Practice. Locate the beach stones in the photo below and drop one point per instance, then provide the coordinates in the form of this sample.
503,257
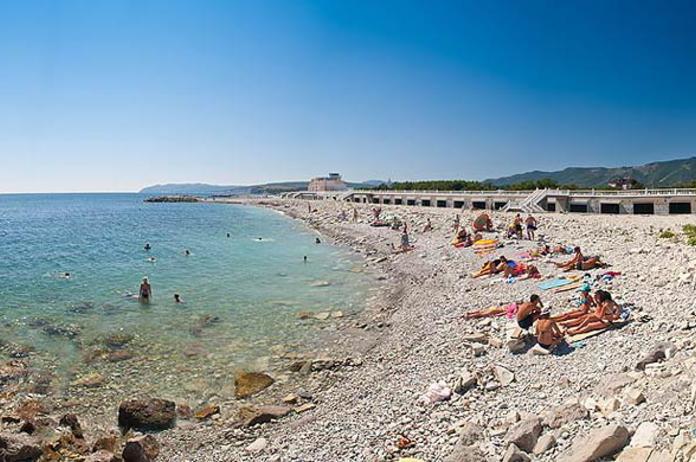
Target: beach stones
249,383
253,415
524,434
91,380
602,442
147,414
207,411
19,447
141,449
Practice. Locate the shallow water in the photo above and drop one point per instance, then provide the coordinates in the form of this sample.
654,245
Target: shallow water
247,289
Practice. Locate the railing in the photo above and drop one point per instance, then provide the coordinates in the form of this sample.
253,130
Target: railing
550,192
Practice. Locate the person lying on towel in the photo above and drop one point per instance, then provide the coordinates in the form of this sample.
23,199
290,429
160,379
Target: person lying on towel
606,313
493,267
509,310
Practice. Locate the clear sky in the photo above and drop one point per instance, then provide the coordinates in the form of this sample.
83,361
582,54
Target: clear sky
115,95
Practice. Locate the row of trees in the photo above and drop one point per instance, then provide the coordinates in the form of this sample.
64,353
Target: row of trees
465,185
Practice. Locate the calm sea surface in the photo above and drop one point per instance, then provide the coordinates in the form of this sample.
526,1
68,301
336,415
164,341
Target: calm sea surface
241,294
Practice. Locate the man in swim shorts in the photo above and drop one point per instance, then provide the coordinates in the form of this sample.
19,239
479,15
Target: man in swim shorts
528,312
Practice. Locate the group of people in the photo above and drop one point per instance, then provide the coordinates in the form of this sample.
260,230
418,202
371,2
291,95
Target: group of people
595,312
515,228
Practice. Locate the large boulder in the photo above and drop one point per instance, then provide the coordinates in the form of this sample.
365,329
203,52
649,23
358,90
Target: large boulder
147,414
141,449
601,442
19,447
249,383
524,434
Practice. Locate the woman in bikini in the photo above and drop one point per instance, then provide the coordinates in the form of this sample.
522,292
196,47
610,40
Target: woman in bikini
586,303
606,313
579,262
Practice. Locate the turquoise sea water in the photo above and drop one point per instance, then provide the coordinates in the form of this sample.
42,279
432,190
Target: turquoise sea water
248,290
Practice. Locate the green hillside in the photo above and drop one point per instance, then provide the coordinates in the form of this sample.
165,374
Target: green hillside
655,175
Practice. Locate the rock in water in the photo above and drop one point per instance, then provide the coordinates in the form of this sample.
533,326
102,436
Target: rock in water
602,442
19,447
207,411
147,414
141,449
524,434
249,383
71,421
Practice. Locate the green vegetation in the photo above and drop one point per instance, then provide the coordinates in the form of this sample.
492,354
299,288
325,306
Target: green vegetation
464,185
690,231
666,234
668,174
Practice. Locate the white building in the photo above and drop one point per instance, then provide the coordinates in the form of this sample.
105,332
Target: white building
333,182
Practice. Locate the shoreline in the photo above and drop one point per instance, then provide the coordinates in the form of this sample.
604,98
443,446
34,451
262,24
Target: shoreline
356,388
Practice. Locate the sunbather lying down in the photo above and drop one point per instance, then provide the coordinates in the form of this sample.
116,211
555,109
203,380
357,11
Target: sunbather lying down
606,313
509,310
580,262
492,267
521,271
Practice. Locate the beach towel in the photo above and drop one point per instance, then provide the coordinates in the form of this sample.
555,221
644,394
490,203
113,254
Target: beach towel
485,246
558,282
594,333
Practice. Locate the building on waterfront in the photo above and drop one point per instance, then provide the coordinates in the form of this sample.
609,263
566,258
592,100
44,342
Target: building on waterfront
333,182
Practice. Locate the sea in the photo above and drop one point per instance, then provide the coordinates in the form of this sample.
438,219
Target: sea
70,265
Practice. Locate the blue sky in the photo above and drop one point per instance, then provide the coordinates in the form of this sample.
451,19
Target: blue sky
116,95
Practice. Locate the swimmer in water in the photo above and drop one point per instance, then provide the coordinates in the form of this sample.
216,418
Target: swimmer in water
151,259
147,246
228,234
65,275
317,241
145,292
305,258
177,298
187,252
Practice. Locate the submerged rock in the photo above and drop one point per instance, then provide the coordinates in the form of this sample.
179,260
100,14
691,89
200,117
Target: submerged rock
147,414
19,447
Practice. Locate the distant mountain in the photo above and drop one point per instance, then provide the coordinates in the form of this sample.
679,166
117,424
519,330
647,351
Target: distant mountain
656,174
209,189
185,188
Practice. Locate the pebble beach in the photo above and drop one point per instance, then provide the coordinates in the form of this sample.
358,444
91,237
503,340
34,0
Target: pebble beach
592,402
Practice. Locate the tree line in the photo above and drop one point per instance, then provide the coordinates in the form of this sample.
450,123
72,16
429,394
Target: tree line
466,185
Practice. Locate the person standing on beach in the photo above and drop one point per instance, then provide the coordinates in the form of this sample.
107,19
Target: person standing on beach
145,292
531,223
355,215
